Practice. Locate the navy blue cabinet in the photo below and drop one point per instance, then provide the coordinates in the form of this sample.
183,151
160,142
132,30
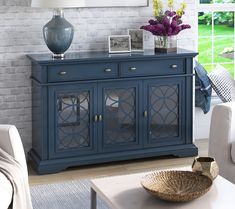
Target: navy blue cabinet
94,107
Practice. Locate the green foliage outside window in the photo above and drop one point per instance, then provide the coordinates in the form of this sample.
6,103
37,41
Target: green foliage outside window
220,18
218,49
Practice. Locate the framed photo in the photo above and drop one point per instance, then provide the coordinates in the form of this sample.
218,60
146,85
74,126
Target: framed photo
116,3
137,40
119,44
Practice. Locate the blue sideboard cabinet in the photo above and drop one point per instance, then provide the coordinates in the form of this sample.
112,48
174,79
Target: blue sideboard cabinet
95,107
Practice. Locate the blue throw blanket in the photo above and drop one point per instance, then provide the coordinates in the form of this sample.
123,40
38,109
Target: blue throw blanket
203,89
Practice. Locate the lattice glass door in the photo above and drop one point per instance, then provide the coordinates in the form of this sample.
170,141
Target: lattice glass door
73,121
120,118
165,112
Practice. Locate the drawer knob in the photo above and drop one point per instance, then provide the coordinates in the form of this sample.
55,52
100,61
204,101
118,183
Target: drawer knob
174,66
107,70
62,73
132,68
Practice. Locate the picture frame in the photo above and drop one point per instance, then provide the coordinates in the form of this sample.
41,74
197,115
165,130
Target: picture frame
137,40
116,3
119,44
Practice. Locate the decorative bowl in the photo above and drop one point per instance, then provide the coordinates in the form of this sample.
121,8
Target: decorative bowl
176,186
206,166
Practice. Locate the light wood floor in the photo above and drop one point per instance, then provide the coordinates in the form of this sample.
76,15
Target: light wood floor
124,167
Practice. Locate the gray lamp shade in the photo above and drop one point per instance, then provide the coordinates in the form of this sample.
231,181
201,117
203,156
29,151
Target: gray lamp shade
58,3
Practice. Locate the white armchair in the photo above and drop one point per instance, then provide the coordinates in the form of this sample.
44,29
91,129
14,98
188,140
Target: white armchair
10,142
222,139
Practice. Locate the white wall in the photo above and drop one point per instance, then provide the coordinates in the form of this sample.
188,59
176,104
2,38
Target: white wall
21,34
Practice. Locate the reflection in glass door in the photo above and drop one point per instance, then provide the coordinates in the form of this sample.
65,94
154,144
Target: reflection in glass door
119,116
73,120
119,108
164,112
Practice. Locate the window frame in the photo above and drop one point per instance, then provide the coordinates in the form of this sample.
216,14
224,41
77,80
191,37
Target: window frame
213,8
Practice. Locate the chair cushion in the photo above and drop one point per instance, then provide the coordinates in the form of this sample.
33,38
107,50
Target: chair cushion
233,152
223,83
5,191
11,143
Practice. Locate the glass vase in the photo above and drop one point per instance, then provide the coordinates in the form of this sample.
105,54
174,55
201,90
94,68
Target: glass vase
165,44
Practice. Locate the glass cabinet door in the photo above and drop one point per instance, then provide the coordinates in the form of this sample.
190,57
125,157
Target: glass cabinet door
73,111
165,108
120,118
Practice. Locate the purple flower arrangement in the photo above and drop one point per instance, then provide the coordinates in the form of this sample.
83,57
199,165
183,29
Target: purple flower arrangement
168,24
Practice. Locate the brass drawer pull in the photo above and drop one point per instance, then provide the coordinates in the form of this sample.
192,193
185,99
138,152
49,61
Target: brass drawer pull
132,68
62,73
107,70
174,66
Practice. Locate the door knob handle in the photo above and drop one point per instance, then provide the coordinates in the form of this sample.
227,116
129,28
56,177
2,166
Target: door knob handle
100,118
145,113
95,118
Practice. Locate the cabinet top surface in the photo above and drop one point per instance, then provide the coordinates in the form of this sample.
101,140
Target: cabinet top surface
99,56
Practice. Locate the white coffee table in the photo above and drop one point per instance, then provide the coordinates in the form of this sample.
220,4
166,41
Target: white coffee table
125,192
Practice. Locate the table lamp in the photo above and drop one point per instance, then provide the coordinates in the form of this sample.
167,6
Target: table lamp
58,32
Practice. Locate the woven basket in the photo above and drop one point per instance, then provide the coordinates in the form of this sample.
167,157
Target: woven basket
176,186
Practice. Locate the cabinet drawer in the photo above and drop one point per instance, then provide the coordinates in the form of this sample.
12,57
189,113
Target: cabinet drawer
82,71
153,67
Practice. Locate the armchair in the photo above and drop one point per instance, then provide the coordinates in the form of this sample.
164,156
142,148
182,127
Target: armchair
222,139
10,142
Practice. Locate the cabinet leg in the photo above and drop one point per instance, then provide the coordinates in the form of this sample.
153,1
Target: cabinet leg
187,152
93,199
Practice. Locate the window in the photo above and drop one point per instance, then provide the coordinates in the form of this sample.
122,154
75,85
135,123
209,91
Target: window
216,34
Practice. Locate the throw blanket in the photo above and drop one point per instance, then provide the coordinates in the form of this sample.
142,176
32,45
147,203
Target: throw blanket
203,88
17,176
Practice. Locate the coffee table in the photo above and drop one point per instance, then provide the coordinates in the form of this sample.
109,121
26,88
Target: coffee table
125,192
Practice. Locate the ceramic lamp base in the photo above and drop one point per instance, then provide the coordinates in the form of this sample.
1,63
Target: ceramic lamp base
58,34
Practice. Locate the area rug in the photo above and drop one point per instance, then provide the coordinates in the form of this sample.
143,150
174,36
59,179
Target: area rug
66,195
